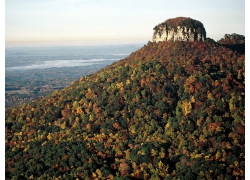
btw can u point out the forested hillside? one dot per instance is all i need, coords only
(171, 110)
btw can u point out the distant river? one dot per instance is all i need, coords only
(30, 58)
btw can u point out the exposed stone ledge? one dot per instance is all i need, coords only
(179, 29)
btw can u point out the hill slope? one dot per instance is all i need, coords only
(169, 110)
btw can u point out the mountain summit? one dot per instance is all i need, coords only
(171, 110)
(179, 29)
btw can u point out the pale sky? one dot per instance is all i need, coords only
(83, 22)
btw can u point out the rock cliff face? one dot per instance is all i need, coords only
(179, 29)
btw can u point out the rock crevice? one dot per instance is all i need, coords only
(179, 29)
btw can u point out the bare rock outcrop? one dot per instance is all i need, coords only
(179, 29)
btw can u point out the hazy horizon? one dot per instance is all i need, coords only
(69, 43)
(84, 22)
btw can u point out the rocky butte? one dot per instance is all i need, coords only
(179, 29)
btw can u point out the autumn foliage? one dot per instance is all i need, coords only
(171, 110)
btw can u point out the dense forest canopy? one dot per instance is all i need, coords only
(231, 39)
(234, 41)
(171, 110)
